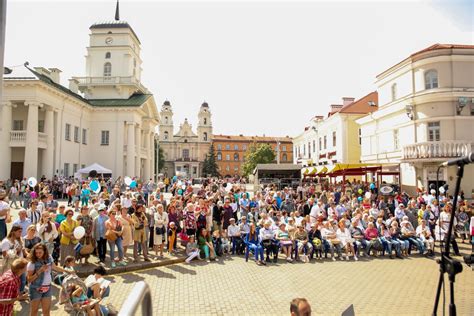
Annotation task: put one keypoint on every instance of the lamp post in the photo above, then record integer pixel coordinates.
(3, 20)
(278, 150)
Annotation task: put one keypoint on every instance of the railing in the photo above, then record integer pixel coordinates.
(83, 81)
(18, 136)
(42, 137)
(139, 296)
(441, 149)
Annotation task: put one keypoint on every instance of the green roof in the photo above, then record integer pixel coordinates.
(136, 99)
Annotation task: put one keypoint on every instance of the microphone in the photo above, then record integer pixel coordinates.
(459, 161)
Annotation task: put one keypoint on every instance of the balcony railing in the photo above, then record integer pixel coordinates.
(441, 149)
(42, 137)
(85, 81)
(18, 136)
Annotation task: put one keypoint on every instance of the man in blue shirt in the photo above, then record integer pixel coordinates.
(23, 221)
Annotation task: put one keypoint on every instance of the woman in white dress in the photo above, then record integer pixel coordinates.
(161, 225)
(344, 235)
(127, 227)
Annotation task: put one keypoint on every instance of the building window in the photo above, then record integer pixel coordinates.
(74, 168)
(434, 132)
(236, 147)
(165, 135)
(219, 147)
(284, 157)
(107, 69)
(472, 108)
(104, 138)
(83, 166)
(185, 140)
(320, 143)
(227, 168)
(194, 170)
(431, 79)
(283, 148)
(166, 120)
(185, 153)
(333, 139)
(205, 121)
(396, 140)
(84, 136)
(41, 126)
(66, 170)
(309, 148)
(314, 145)
(219, 156)
(227, 147)
(325, 142)
(394, 92)
(205, 136)
(244, 147)
(17, 125)
(107, 55)
(236, 168)
(76, 134)
(67, 134)
(360, 136)
(227, 157)
(236, 157)
(304, 149)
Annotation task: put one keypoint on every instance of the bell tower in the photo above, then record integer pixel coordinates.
(204, 128)
(166, 124)
(113, 63)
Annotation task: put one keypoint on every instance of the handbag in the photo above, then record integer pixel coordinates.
(160, 230)
(335, 241)
(110, 235)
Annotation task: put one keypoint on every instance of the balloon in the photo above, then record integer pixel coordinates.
(360, 191)
(32, 182)
(133, 184)
(359, 198)
(367, 195)
(180, 192)
(228, 187)
(79, 232)
(127, 181)
(183, 186)
(441, 190)
(94, 186)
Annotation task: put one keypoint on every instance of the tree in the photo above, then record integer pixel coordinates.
(262, 153)
(161, 159)
(209, 165)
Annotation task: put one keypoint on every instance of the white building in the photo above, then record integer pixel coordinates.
(48, 129)
(185, 151)
(426, 116)
(334, 139)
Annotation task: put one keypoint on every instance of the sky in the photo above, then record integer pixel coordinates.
(264, 68)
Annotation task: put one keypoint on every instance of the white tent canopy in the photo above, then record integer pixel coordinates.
(96, 167)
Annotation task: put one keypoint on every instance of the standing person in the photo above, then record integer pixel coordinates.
(139, 236)
(99, 230)
(47, 231)
(31, 239)
(114, 237)
(127, 229)
(228, 213)
(34, 214)
(67, 241)
(300, 307)
(217, 213)
(161, 224)
(14, 194)
(86, 221)
(10, 287)
(22, 221)
(85, 195)
(190, 219)
(39, 277)
(4, 213)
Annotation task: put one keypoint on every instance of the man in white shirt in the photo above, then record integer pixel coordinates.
(233, 232)
(316, 211)
(423, 232)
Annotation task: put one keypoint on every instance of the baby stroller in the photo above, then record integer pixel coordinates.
(73, 295)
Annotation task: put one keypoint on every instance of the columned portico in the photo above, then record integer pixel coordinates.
(138, 150)
(31, 146)
(5, 161)
(48, 153)
(146, 173)
(130, 149)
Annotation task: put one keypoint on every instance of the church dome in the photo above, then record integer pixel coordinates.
(167, 103)
(205, 105)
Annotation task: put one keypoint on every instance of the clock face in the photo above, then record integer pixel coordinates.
(109, 40)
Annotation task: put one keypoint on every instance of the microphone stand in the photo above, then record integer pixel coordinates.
(446, 263)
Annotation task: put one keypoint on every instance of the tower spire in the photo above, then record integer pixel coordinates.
(117, 15)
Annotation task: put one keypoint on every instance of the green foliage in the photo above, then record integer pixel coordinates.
(262, 153)
(161, 159)
(210, 166)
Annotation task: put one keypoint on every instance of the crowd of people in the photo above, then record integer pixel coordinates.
(217, 218)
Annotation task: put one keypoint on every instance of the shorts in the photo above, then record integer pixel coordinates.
(35, 295)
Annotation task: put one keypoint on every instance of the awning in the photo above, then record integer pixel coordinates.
(321, 170)
(95, 166)
(312, 171)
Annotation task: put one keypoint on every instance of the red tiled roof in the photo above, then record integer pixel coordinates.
(362, 106)
(250, 138)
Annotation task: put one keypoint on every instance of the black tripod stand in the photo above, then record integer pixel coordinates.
(446, 263)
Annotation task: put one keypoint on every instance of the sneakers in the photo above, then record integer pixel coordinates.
(333, 259)
(113, 265)
(347, 258)
(289, 259)
(355, 258)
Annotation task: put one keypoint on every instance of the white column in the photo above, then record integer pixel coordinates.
(138, 151)
(152, 154)
(48, 153)
(146, 173)
(30, 168)
(120, 153)
(6, 127)
(130, 149)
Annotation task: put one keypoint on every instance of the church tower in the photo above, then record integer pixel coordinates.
(113, 63)
(166, 124)
(204, 128)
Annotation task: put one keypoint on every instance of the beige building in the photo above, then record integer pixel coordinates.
(107, 116)
(185, 151)
(335, 138)
(425, 116)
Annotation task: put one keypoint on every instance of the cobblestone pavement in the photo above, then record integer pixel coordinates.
(234, 287)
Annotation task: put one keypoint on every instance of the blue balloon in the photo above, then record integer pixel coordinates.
(133, 184)
(94, 185)
(180, 192)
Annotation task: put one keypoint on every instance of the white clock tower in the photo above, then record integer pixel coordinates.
(113, 63)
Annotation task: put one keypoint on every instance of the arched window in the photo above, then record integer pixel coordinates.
(107, 55)
(394, 92)
(205, 136)
(284, 157)
(165, 135)
(166, 120)
(236, 157)
(205, 121)
(107, 69)
(431, 79)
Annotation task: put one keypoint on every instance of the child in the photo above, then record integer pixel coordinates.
(192, 250)
(80, 300)
(172, 238)
(225, 247)
(69, 264)
(217, 241)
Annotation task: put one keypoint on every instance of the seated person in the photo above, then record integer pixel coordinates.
(253, 244)
(192, 249)
(314, 236)
(286, 243)
(330, 240)
(347, 242)
(267, 235)
(80, 300)
(303, 244)
(233, 232)
(423, 232)
(372, 236)
(409, 233)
